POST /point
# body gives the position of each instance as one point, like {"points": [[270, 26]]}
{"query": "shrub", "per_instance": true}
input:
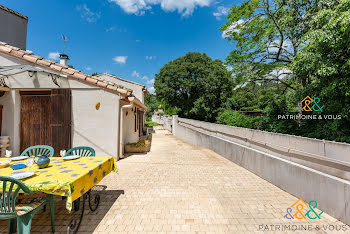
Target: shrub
{"points": [[150, 123], [234, 118]]}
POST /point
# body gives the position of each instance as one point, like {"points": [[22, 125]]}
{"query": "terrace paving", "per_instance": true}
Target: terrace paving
{"points": [[179, 188]]}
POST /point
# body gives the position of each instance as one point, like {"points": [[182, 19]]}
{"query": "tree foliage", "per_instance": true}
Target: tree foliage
{"points": [[152, 104], [267, 35], [309, 39], [194, 85]]}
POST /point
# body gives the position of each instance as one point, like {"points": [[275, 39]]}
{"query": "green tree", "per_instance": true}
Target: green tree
{"points": [[152, 104], [194, 85], [325, 59], [267, 35]]}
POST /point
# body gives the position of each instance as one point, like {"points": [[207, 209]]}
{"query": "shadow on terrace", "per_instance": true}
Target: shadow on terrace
{"points": [[41, 221]]}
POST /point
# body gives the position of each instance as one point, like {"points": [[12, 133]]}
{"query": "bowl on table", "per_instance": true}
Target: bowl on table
{"points": [[5, 163]]}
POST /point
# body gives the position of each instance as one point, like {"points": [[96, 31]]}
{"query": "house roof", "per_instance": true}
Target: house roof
{"points": [[128, 81], [13, 12], [54, 66]]}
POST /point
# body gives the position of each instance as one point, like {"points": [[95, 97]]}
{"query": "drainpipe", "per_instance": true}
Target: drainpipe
{"points": [[121, 146]]}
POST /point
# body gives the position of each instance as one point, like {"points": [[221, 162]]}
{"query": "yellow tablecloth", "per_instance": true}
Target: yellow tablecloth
{"points": [[70, 178]]}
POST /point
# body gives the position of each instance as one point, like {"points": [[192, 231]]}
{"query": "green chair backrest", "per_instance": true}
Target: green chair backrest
{"points": [[39, 150], [10, 188], [82, 151]]}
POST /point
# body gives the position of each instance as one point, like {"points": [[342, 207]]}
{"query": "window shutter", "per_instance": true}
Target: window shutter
{"points": [[61, 118], [0, 118]]}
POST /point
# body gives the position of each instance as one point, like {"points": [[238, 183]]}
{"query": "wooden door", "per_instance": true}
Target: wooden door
{"points": [[140, 114], [35, 119], [0, 118], [46, 119], [61, 110]]}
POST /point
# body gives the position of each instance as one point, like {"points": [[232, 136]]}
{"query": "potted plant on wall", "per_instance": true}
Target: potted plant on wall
{"points": [[138, 147]]}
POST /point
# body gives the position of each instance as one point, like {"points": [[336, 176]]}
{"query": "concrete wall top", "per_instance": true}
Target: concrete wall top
{"points": [[288, 143]]}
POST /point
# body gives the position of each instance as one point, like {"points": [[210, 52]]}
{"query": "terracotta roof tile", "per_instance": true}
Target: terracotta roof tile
{"points": [[36, 56], [56, 67], [116, 77], [13, 47], [44, 62], [91, 80], [79, 76], [112, 87], [17, 53], [28, 52], [66, 70], [71, 72], [102, 84], [4, 48], [30, 58]]}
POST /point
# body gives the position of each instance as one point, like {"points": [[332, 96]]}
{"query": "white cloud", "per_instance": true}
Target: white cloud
{"points": [[111, 29], [54, 55], [135, 74], [120, 59], [273, 47], [183, 7], [151, 90], [88, 14], [150, 82], [151, 57], [88, 68], [234, 27], [221, 11]]}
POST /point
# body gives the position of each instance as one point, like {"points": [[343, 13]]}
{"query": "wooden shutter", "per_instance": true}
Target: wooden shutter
{"points": [[35, 119], [140, 113], [61, 118], [0, 118]]}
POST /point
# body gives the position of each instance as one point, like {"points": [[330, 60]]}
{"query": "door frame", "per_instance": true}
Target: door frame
{"points": [[40, 93]]}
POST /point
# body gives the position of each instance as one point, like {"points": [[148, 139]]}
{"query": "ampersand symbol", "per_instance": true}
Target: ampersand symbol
{"points": [[289, 215], [300, 107], [311, 209], [306, 107], [316, 101]]}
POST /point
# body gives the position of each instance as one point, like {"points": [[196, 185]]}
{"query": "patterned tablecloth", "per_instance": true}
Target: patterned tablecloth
{"points": [[70, 178]]}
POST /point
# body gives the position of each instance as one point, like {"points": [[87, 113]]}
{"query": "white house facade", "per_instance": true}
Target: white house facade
{"points": [[44, 102]]}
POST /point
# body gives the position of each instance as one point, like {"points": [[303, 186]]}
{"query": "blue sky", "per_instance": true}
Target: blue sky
{"points": [[132, 39]]}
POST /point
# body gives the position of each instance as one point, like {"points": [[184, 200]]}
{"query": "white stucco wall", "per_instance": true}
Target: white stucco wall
{"points": [[11, 119], [129, 134], [90, 127], [137, 88]]}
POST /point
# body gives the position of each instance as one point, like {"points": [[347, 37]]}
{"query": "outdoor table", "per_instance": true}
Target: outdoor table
{"points": [[68, 178]]}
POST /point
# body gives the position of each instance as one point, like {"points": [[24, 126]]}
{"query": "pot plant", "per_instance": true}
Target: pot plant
{"points": [[4, 144], [138, 147]]}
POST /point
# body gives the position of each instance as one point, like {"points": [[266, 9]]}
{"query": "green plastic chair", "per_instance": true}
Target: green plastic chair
{"points": [[21, 213], [39, 150], [83, 151]]}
